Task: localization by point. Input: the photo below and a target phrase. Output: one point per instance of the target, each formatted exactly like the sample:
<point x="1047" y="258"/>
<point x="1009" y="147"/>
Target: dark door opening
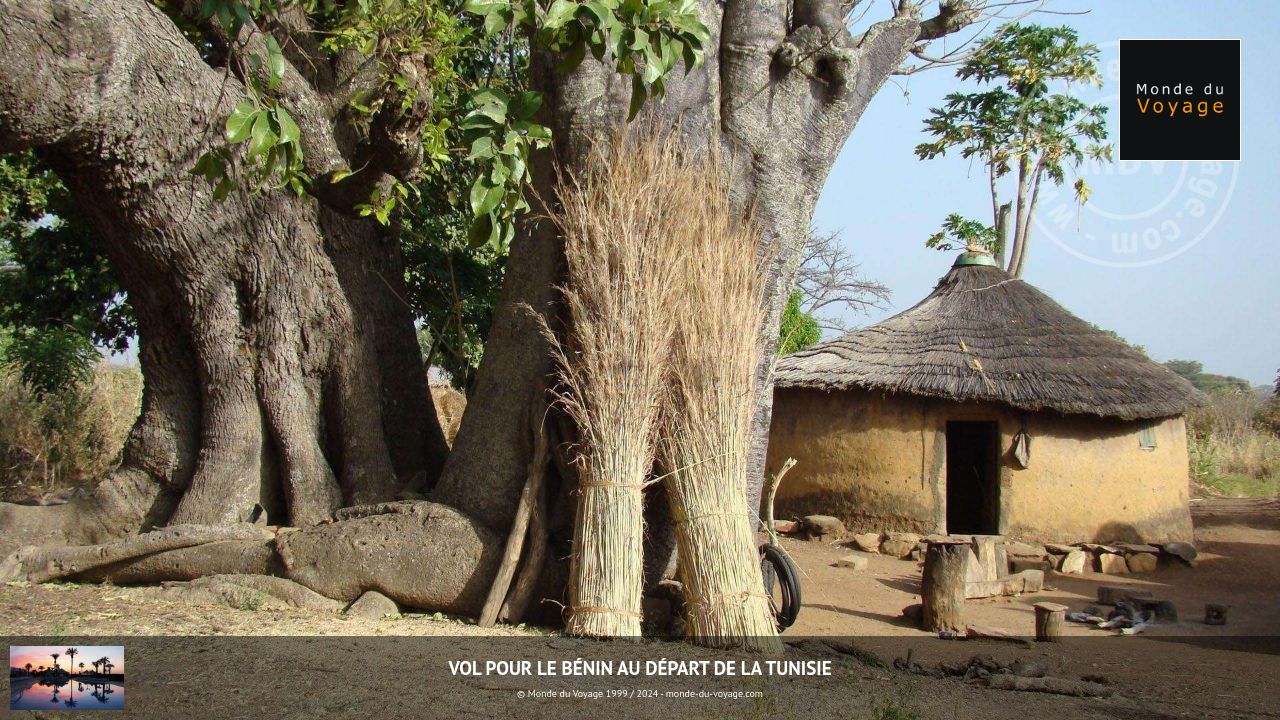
<point x="973" y="478"/>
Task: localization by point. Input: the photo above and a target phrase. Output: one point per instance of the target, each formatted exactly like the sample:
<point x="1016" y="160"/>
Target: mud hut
<point x="985" y="409"/>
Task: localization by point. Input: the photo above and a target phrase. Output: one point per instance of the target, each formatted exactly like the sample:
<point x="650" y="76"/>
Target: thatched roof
<point x="983" y="335"/>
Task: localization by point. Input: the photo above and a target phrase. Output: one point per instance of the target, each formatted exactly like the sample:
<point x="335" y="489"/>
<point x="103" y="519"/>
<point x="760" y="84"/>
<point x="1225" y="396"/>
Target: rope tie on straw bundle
<point x="604" y="610"/>
<point x="702" y="516"/>
<point x="692" y="599"/>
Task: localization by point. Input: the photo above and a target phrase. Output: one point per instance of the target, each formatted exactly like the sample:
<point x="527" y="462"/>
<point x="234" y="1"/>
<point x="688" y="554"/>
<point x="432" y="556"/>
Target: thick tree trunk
<point x="778" y="94"/>
<point x="280" y="366"/>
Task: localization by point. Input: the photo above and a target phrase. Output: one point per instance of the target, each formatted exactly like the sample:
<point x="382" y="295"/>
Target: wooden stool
<point x="1049" y="619"/>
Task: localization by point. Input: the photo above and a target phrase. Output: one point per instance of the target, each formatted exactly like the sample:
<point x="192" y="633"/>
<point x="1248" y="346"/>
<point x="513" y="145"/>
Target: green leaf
<point x="240" y="121"/>
<point x="261" y="136"/>
<point x="484" y="196"/>
<point x="289" y="132"/>
<point x="482" y="148"/>
<point x="637" y="97"/>
<point x="526" y="104"/>
<point x="275" y="62"/>
<point x="560" y="12"/>
<point x="480" y="230"/>
<point x="573" y="57"/>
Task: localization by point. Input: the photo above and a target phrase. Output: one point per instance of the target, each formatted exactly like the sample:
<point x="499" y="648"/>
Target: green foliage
<point x="797" y="329"/>
<point x="645" y="39"/>
<point x="1019" y="123"/>
<point x="1233" y="441"/>
<point x="58" y="295"/>
<point x="1194" y="373"/>
<point x="959" y="232"/>
<point x="1021" y="119"/>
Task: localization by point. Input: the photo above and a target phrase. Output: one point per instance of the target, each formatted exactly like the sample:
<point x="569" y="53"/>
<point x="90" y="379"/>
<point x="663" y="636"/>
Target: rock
<point x="1128" y="548"/>
<point x="908" y="537"/>
<point x="1073" y="563"/>
<point x="867" y="542"/>
<point x="913" y="612"/>
<point x="372" y="605"/>
<point x="1095" y="548"/>
<point x="897" y="548"/>
<point x="853" y="562"/>
<point x="1110" y="564"/>
<point x="1142" y="562"/>
<point x="1186" y="552"/>
<point x="786" y="527"/>
<point x="1016" y="548"/>
<point x="1057" y="549"/>
<point x="1032" y="580"/>
<point x="821" y="526"/>
<point x="1018" y="564"/>
<point x="983" y="589"/>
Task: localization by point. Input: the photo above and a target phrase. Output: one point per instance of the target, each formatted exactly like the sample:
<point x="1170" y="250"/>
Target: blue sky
<point x="1205" y="289"/>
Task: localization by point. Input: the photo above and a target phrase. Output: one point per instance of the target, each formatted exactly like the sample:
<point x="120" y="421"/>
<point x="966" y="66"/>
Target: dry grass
<point x="68" y="440"/>
<point x="1234" y="447"/>
<point x="718" y="312"/>
<point x="614" y="218"/>
<point x="450" y="404"/>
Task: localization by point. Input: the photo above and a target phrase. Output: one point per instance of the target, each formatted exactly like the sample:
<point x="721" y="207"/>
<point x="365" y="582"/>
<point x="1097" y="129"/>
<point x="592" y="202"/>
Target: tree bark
<point x="942" y="589"/>
<point x="280" y="365"/>
<point x="778" y="94"/>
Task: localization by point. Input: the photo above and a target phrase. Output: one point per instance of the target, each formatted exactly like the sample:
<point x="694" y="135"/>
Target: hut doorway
<point x="973" y="472"/>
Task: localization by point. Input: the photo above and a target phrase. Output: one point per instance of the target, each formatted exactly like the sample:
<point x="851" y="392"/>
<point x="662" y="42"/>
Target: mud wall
<point x="879" y="462"/>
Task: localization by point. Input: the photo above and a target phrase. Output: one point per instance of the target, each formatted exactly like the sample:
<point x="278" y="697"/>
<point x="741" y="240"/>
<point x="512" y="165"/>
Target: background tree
<point x="832" y="285"/>
<point x="1020" y="128"/>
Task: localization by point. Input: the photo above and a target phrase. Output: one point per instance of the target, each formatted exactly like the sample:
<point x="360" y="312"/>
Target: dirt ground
<point x="1186" y="669"/>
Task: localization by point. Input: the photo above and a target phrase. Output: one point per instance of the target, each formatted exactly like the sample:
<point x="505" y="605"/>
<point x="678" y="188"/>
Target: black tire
<point x="778" y="568"/>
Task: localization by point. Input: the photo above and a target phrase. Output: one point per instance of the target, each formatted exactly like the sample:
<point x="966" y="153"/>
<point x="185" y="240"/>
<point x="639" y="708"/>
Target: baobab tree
<point x="282" y="374"/>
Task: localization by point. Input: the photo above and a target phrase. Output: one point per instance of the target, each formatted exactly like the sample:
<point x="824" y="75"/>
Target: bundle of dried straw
<point x="664" y="307"/>
<point x="614" y="217"/>
<point x="706" y="417"/>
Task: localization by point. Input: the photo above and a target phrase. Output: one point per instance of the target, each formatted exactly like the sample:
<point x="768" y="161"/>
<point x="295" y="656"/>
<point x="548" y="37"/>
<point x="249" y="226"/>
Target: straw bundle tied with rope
<point x="614" y="218"/>
<point x="706" y="420"/>
<point x="663" y="308"/>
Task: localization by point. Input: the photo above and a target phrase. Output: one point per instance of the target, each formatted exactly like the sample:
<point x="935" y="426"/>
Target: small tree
<point x="1019" y="127"/>
<point x="798" y="329"/>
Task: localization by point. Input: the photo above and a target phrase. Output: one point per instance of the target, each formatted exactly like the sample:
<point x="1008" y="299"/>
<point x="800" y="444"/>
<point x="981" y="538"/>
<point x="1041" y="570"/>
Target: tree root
<point x="43" y="563"/>
<point x="420" y="554"/>
<point x="248" y="592"/>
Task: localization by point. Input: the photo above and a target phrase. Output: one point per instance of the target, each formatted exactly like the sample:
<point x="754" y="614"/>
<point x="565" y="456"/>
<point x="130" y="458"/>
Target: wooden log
<point x="1049" y="621"/>
<point x="520" y="526"/>
<point x="943" y="587"/>
<point x="530" y="572"/>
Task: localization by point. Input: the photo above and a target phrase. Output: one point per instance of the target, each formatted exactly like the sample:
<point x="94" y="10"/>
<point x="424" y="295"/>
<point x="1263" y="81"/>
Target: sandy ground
<point x="1174" y="671"/>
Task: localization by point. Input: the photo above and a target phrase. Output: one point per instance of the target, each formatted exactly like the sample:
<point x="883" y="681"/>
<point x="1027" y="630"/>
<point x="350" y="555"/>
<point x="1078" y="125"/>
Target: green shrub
<point x="1233" y="445"/>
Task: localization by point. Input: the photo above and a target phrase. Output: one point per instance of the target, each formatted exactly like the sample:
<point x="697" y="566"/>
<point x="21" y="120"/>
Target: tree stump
<point x="942" y="589"/>
<point x="1049" y="619"/>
